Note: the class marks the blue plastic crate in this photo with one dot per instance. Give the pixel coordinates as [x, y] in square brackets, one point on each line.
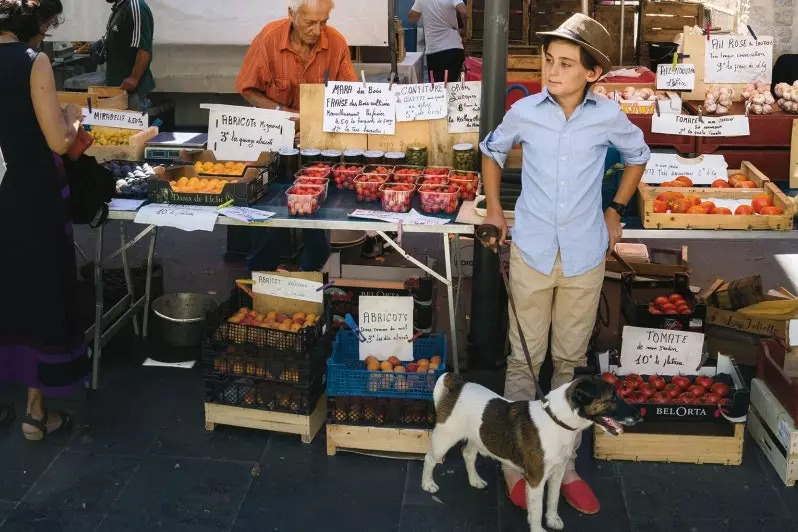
[346, 375]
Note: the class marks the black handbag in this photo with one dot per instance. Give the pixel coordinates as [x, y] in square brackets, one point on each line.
[91, 188]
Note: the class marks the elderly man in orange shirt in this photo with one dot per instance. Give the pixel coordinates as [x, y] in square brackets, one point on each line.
[284, 55]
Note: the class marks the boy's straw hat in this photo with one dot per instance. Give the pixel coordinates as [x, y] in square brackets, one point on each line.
[587, 33]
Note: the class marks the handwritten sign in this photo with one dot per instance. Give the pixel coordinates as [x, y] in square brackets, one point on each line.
[420, 102]
[387, 324]
[465, 100]
[359, 108]
[702, 170]
[185, 217]
[289, 287]
[681, 78]
[115, 118]
[707, 126]
[413, 217]
[244, 134]
[660, 351]
[738, 59]
[246, 214]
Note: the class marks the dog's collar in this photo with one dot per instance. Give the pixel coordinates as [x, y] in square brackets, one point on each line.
[547, 409]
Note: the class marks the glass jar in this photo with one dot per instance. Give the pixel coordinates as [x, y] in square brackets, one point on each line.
[394, 158]
[353, 156]
[464, 157]
[416, 155]
[288, 165]
[309, 155]
[374, 157]
[331, 156]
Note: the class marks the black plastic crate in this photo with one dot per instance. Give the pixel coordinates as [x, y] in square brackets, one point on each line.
[223, 332]
[264, 395]
[637, 295]
[381, 411]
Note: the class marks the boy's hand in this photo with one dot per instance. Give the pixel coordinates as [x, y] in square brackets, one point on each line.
[496, 218]
[614, 228]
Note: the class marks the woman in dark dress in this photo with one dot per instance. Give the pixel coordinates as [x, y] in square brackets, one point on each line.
[41, 344]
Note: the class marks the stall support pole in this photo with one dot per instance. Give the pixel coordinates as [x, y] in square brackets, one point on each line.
[486, 285]
[98, 308]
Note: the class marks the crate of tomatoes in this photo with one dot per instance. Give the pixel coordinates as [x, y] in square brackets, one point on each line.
[663, 304]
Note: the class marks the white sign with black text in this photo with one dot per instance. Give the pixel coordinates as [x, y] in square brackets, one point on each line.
[244, 133]
[706, 126]
[424, 101]
[702, 170]
[115, 118]
[465, 99]
[185, 217]
[660, 351]
[269, 284]
[359, 108]
[679, 77]
[386, 323]
[738, 59]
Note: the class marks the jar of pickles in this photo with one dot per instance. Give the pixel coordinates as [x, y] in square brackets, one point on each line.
[464, 157]
[353, 157]
[416, 155]
[393, 158]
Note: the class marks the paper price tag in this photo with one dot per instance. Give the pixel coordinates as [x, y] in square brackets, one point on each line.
[465, 101]
[738, 59]
[423, 101]
[117, 119]
[660, 351]
[359, 108]
[185, 217]
[702, 170]
[386, 322]
[243, 134]
[681, 78]
[707, 126]
[288, 287]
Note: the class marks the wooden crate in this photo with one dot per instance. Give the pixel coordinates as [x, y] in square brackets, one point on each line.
[637, 446]
[518, 27]
[774, 431]
[663, 21]
[413, 442]
[474, 48]
[131, 152]
[305, 426]
[524, 68]
[547, 15]
[610, 17]
[100, 97]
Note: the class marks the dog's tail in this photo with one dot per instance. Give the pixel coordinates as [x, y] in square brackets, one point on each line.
[448, 383]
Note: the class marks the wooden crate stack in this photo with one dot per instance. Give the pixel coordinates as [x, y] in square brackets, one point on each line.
[610, 17]
[547, 15]
[663, 21]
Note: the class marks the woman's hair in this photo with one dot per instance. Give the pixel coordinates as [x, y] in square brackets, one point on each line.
[24, 18]
[587, 60]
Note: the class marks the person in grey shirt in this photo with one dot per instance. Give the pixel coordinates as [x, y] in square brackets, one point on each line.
[443, 20]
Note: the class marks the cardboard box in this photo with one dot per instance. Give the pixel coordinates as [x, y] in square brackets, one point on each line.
[100, 97]
[664, 263]
[133, 151]
[637, 296]
[264, 161]
[744, 347]
[785, 329]
[243, 191]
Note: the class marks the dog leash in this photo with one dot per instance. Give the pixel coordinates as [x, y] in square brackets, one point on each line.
[488, 235]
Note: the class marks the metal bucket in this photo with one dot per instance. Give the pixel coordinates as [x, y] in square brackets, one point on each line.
[180, 318]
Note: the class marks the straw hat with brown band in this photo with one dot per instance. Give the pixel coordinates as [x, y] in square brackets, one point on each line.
[587, 33]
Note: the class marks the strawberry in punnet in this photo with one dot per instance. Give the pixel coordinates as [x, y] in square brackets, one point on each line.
[397, 197]
[318, 181]
[368, 186]
[375, 169]
[304, 200]
[316, 170]
[344, 176]
[468, 182]
[406, 174]
[434, 180]
[439, 198]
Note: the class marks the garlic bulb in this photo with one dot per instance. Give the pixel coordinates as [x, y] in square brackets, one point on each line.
[760, 98]
[722, 110]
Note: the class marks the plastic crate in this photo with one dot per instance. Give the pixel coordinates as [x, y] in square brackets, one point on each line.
[271, 396]
[381, 412]
[347, 376]
[225, 333]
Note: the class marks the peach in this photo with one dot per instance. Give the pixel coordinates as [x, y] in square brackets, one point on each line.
[373, 365]
[399, 369]
[395, 361]
[386, 366]
[435, 360]
[298, 316]
[370, 359]
[423, 362]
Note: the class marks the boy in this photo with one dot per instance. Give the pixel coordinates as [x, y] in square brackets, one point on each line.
[560, 236]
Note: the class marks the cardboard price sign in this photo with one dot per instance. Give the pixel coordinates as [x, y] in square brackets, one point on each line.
[707, 126]
[243, 133]
[424, 101]
[680, 78]
[465, 100]
[660, 351]
[359, 108]
[738, 59]
[386, 323]
[288, 287]
[117, 119]
[703, 170]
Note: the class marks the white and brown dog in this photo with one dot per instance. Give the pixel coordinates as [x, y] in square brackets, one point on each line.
[535, 438]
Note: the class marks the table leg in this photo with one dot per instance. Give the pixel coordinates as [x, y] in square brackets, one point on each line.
[148, 283]
[126, 270]
[447, 254]
[98, 308]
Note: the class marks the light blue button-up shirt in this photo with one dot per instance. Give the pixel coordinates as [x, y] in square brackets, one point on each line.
[563, 166]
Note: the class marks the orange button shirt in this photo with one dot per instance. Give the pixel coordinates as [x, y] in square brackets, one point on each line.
[272, 67]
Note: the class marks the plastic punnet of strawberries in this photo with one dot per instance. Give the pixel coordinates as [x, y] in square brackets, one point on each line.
[438, 198]
[316, 170]
[468, 182]
[368, 186]
[435, 175]
[397, 197]
[406, 174]
[304, 200]
[344, 176]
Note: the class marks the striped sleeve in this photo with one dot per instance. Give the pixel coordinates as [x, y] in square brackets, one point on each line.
[142, 25]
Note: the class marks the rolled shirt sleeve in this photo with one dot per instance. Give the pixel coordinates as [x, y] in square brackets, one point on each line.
[501, 140]
[628, 139]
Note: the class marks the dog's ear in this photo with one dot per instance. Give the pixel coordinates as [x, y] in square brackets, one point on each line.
[585, 392]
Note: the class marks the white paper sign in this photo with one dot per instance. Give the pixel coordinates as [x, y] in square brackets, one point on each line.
[693, 126]
[424, 101]
[3, 167]
[465, 100]
[738, 59]
[387, 324]
[702, 170]
[289, 287]
[115, 118]
[246, 214]
[124, 204]
[681, 78]
[412, 217]
[185, 217]
[660, 351]
[359, 108]
[245, 133]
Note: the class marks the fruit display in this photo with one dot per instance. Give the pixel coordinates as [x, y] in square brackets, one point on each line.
[371, 411]
[344, 175]
[110, 136]
[378, 169]
[406, 174]
[318, 181]
[394, 375]
[631, 94]
[273, 320]
[467, 182]
[368, 186]
[432, 180]
[678, 203]
[397, 197]
[787, 96]
[191, 185]
[760, 98]
[228, 168]
[316, 170]
[131, 178]
[304, 200]
[671, 304]
[464, 157]
[439, 198]
[733, 181]
[265, 395]
[718, 100]
[679, 389]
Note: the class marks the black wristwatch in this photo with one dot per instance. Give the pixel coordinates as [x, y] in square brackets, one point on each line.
[620, 208]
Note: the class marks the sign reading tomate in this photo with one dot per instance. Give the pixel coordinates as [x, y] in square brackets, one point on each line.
[660, 352]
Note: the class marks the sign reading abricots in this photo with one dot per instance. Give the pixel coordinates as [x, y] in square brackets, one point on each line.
[288, 287]
[243, 133]
[386, 323]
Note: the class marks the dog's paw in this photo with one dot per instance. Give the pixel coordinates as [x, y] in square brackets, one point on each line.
[429, 486]
[554, 522]
[478, 483]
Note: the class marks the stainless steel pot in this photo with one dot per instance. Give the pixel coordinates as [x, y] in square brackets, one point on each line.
[180, 318]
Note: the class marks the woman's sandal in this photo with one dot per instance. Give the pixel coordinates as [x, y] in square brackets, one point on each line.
[41, 425]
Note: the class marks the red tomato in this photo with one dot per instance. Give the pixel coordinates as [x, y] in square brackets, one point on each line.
[636, 397]
[681, 381]
[609, 377]
[711, 398]
[694, 199]
[657, 382]
[646, 389]
[661, 300]
[760, 201]
[675, 298]
[697, 390]
[744, 210]
[686, 181]
[669, 308]
[686, 398]
[770, 210]
[720, 388]
[703, 380]
[721, 210]
[720, 183]
[667, 197]
[696, 209]
[660, 397]
[680, 206]
[660, 206]
[634, 378]
[708, 206]
[672, 390]
[625, 388]
[736, 178]
[745, 184]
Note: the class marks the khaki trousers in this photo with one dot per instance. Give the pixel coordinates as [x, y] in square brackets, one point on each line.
[566, 304]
